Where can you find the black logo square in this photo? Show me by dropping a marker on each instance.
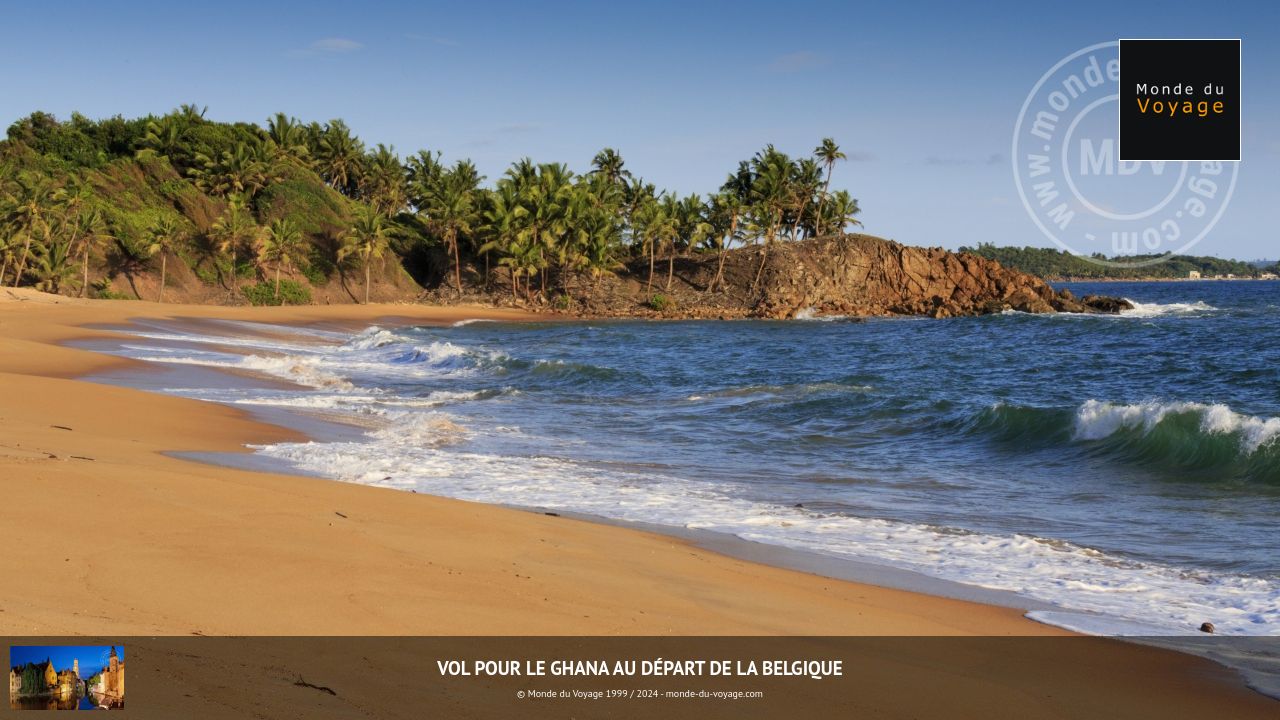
(1179, 100)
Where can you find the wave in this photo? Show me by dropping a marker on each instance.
(811, 314)
(1140, 310)
(1211, 440)
(1147, 310)
(753, 392)
(434, 457)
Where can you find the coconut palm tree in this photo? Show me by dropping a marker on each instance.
(231, 232)
(341, 156)
(725, 211)
(608, 164)
(839, 213)
(53, 266)
(287, 139)
(164, 234)
(91, 230)
(367, 240)
(827, 153)
(280, 245)
(771, 190)
(243, 171)
(163, 137)
(383, 182)
(501, 224)
(452, 209)
(806, 175)
(34, 204)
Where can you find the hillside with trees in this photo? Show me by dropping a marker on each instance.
(182, 208)
(1052, 264)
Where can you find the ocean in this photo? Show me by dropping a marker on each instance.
(1123, 469)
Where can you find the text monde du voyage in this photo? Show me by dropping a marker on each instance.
(1180, 99)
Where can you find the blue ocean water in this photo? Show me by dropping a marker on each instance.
(1124, 467)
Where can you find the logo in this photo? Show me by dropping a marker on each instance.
(1082, 196)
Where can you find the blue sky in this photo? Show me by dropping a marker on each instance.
(923, 96)
(92, 657)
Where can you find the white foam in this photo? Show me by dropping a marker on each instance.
(1096, 420)
(1147, 310)
(811, 314)
(432, 457)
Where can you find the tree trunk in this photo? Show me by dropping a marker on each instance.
(651, 254)
(4, 268)
(84, 285)
(826, 188)
(164, 273)
(724, 249)
(671, 268)
(457, 260)
(22, 264)
(514, 298)
(764, 255)
(366, 280)
(278, 281)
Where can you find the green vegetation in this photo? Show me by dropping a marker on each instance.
(118, 198)
(1057, 265)
(279, 292)
(662, 303)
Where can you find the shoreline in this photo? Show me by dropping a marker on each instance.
(195, 578)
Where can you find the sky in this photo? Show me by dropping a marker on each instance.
(922, 96)
(92, 657)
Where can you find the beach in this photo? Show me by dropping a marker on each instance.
(136, 541)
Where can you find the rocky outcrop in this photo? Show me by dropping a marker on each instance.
(849, 275)
(863, 275)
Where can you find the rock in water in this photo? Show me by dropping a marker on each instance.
(1105, 304)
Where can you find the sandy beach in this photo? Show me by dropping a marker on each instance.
(137, 542)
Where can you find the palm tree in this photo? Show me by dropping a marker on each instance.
(827, 153)
(806, 174)
(163, 137)
(341, 155)
(451, 210)
(164, 234)
(230, 232)
(367, 240)
(771, 191)
(502, 217)
(287, 139)
(243, 171)
(839, 213)
(383, 182)
(726, 209)
(91, 229)
(53, 266)
(608, 164)
(280, 245)
(35, 200)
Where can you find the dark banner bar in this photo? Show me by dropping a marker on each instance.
(641, 677)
